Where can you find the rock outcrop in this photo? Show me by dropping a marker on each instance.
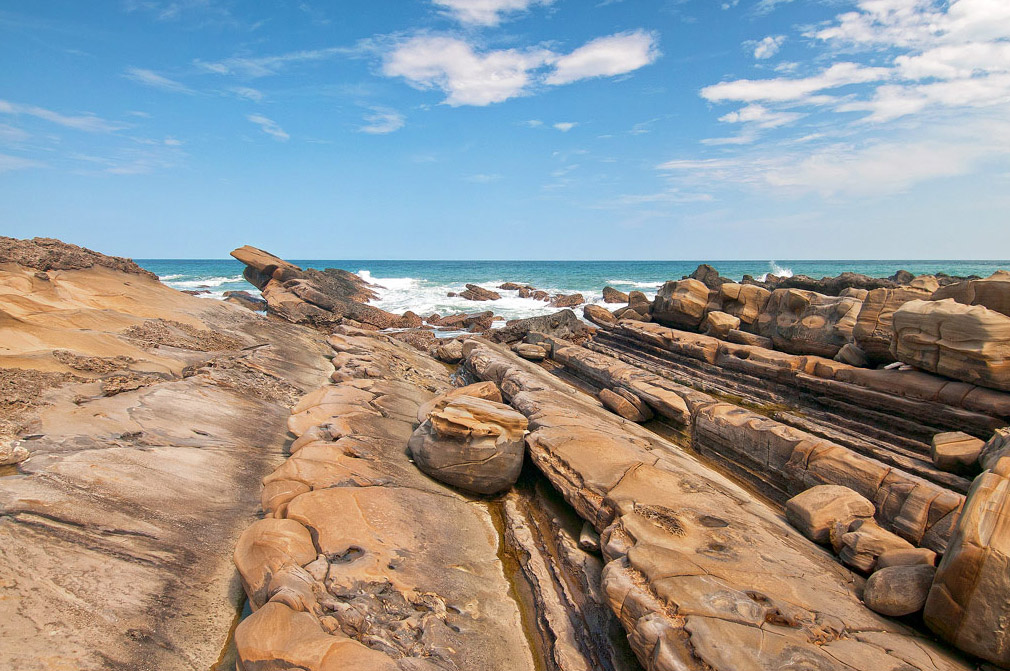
(314, 297)
(805, 322)
(563, 324)
(681, 304)
(567, 301)
(969, 343)
(819, 509)
(471, 443)
(599, 315)
(743, 301)
(477, 293)
(992, 292)
(612, 295)
(874, 330)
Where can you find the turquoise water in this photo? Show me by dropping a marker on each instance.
(421, 286)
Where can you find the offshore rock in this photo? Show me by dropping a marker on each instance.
(471, 443)
(569, 301)
(969, 343)
(612, 295)
(476, 293)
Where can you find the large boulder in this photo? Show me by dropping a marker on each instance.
(817, 510)
(563, 324)
(898, 590)
(805, 322)
(476, 293)
(969, 343)
(718, 324)
(956, 452)
(681, 304)
(873, 331)
(969, 603)
(708, 276)
(599, 315)
(993, 292)
(745, 301)
(567, 301)
(471, 443)
(612, 295)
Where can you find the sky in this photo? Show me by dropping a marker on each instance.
(509, 129)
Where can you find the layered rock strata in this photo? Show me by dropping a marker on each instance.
(699, 571)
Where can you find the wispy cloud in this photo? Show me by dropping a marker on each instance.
(10, 163)
(269, 126)
(153, 79)
(382, 121)
(783, 89)
(565, 126)
(482, 178)
(248, 93)
(85, 122)
(486, 12)
(263, 66)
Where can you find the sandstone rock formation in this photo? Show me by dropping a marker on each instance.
(471, 443)
(563, 324)
(805, 322)
(599, 315)
(152, 416)
(956, 452)
(969, 343)
(719, 324)
(898, 590)
(816, 511)
(627, 405)
(246, 300)
(993, 292)
(743, 300)
(874, 331)
(612, 295)
(476, 293)
(862, 541)
(681, 304)
(995, 449)
(315, 297)
(567, 301)
(529, 351)
(967, 603)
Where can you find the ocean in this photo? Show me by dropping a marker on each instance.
(421, 286)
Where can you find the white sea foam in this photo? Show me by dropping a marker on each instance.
(776, 271)
(166, 278)
(636, 284)
(203, 282)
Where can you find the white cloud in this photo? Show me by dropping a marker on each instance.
(565, 126)
(760, 116)
(482, 178)
(782, 89)
(9, 163)
(485, 12)
(605, 57)
(768, 47)
(382, 121)
(533, 123)
(269, 127)
(87, 122)
(468, 77)
(248, 93)
(263, 66)
(153, 79)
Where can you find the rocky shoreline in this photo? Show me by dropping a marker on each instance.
(793, 473)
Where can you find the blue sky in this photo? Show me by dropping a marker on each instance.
(515, 129)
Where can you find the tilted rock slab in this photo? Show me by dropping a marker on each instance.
(969, 343)
(363, 562)
(701, 574)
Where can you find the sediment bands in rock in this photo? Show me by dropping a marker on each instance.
(700, 573)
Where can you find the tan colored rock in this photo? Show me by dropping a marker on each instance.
(718, 324)
(474, 444)
(485, 390)
(530, 352)
(865, 541)
(805, 322)
(969, 603)
(956, 452)
(815, 511)
(926, 282)
(874, 330)
(852, 355)
(969, 343)
(450, 352)
(612, 295)
(898, 590)
(12, 452)
(681, 304)
(752, 339)
(992, 292)
(995, 449)
(638, 302)
(745, 301)
(912, 557)
(265, 548)
(625, 404)
(599, 315)
(567, 301)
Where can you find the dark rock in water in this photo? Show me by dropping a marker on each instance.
(535, 294)
(902, 277)
(246, 300)
(563, 324)
(321, 298)
(569, 301)
(45, 254)
(708, 276)
(512, 286)
(833, 286)
(476, 293)
(612, 295)
(196, 292)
